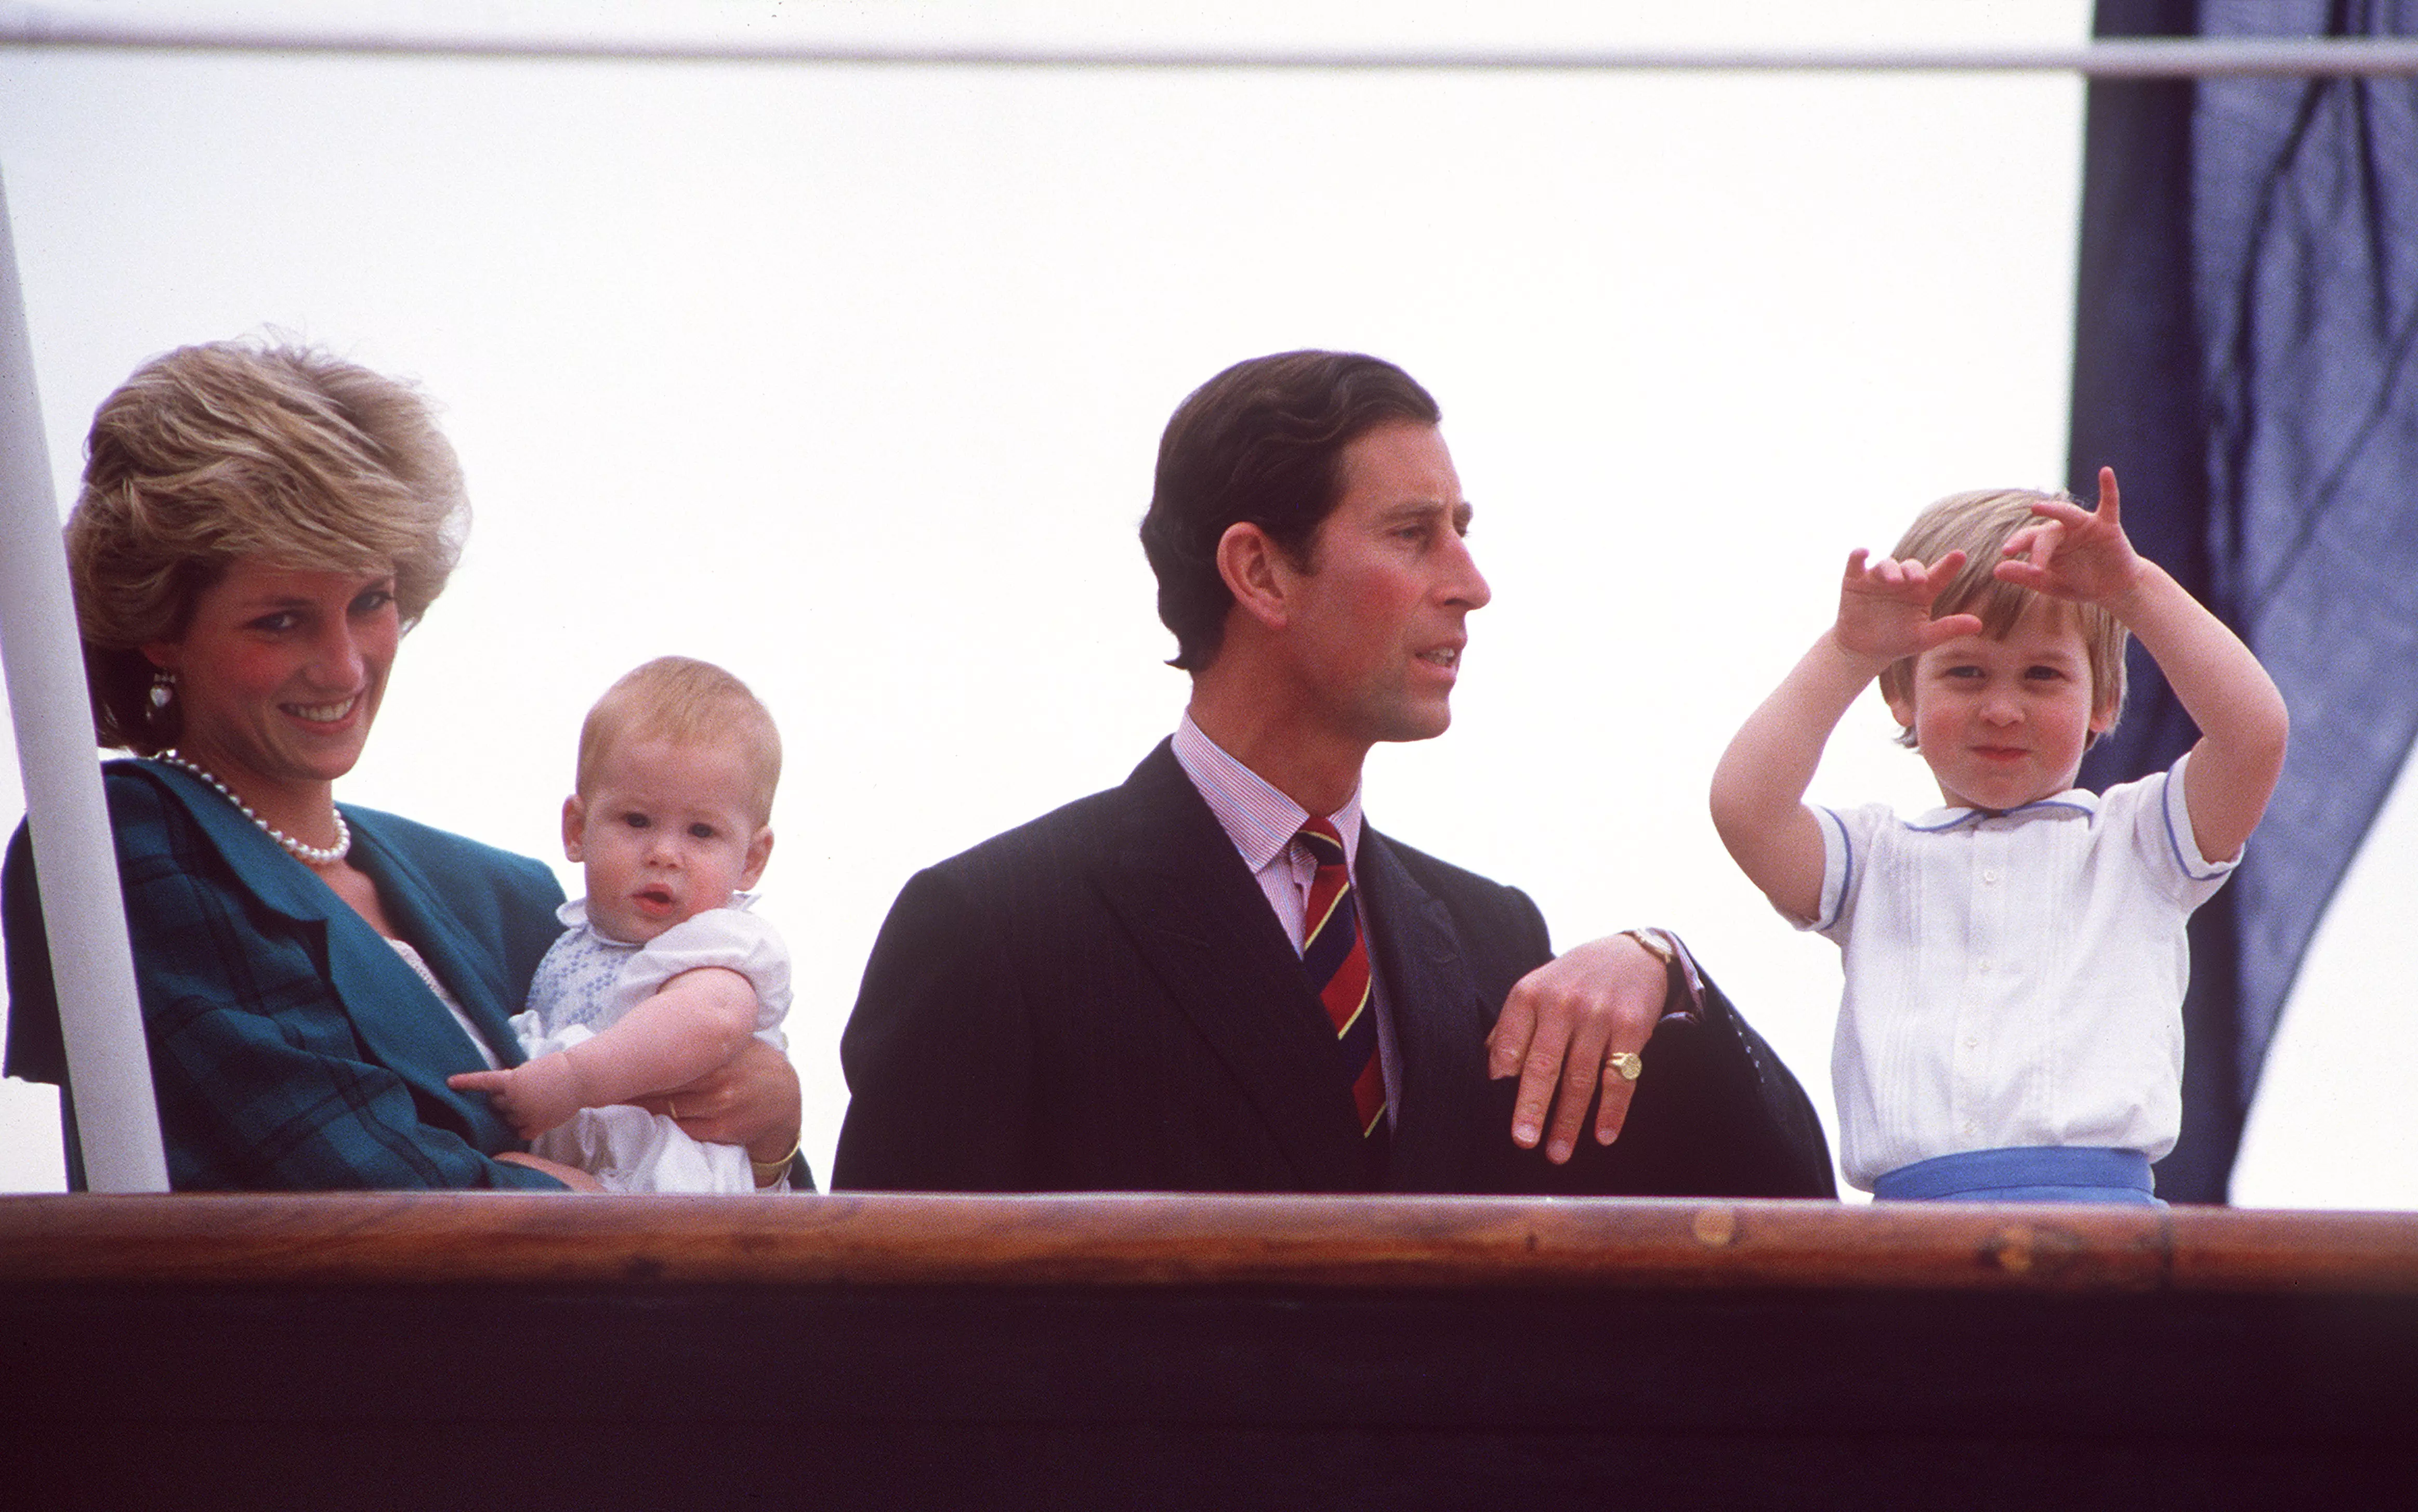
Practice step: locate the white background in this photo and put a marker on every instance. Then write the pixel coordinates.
(849, 378)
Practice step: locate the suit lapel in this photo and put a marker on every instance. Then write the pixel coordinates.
(1439, 1025)
(1192, 909)
(422, 1046)
(409, 893)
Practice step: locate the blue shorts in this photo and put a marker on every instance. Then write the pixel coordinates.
(2030, 1173)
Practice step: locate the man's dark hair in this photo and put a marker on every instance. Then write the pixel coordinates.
(1263, 441)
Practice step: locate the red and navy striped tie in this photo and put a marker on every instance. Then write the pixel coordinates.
(1336, 960)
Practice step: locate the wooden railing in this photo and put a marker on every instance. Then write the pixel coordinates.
(1122, 1240)
(874, 1349)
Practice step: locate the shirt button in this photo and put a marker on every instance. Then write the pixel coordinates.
(1981, 965)
(1990, 876)
(1972, 1042)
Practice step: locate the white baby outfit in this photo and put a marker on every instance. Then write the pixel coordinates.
(586, 983)
(2012, 979)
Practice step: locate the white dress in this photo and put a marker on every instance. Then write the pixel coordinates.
(588, 982)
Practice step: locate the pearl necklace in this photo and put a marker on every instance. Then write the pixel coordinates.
(307, 854)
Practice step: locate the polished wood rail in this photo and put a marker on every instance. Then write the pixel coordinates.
(889, 1351)
(1151, 1240)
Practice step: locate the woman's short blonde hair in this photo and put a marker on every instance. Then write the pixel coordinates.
(1978, 524)
(685, 701)
(237, 451)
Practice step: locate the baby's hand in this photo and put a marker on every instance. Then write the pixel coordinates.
(532, 1098)
(2074, 552)
(1885, 607)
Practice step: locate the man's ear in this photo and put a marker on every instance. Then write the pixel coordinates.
(760, 850)
(1255, 572)
(575, 824)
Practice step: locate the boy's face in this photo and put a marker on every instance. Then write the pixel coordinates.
(2003, 723)
(665, 831)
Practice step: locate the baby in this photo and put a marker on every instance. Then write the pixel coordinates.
(2011, 1024)
(661, 975)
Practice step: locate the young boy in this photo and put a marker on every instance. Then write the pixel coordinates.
(2015, 962)
(661, 975)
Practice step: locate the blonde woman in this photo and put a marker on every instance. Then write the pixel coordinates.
(257, 528)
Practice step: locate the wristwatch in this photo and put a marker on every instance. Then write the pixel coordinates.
(1656, 944)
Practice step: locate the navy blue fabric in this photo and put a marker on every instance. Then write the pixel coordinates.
(2246, 317)
(2029, 1173)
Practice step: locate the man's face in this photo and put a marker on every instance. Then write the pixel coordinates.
(1374, 628)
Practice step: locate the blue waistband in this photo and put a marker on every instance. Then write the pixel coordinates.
(2030, 1173)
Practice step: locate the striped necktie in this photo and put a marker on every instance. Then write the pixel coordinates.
(1336, 960)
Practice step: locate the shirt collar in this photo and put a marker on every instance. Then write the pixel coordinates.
(1260, 821)
(2072, 800)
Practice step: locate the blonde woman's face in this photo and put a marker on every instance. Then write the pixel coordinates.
(280, 675)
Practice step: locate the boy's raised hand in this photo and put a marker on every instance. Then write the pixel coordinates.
(2072, 553)
(1885, 606)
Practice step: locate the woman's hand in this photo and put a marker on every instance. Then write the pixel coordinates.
(751, 1099)
(570, 1176)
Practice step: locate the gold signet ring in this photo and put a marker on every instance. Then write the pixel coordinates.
(1626, 1063)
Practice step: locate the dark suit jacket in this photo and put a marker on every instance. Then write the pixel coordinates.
(1102, 1000)
(291, 1048)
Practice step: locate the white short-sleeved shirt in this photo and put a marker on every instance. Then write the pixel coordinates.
(2012, 979)
(588, 979)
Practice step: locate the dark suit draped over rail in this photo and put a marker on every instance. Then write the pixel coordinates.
(1102, 1000)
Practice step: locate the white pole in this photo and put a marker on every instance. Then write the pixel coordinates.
(108, 1065)
(2144, 57)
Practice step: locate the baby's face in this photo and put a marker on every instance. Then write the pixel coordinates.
(2003, 722)
(665, 831)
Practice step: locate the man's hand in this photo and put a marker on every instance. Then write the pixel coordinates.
(751, 1099)
(1559, 1025)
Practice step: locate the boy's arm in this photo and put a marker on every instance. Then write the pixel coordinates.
(2242, 722)
(1759, 787)
(699, 1020)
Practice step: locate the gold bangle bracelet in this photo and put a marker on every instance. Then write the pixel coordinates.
(769, 1172)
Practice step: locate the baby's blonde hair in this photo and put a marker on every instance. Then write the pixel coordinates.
(1978, 525)
(686, 702)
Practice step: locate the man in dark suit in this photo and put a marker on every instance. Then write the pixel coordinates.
(1216, 977)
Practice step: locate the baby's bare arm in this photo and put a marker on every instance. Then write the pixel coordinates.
(699, 1020)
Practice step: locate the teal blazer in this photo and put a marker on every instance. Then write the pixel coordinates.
(291, 1047)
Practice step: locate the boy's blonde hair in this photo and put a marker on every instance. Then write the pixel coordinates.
(687, 702)
(1978, 524)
